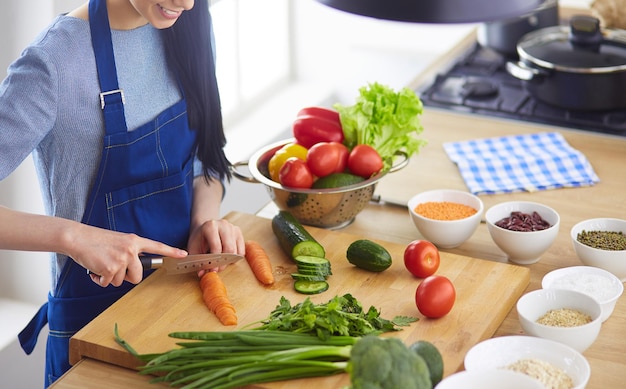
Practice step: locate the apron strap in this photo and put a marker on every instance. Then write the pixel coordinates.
(111, 97)
(28, 336)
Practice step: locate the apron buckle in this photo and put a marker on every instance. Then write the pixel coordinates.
(104, 94)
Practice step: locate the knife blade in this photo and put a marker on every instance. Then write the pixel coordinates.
(191, 263)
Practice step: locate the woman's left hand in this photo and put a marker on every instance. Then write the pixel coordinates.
(216, 236)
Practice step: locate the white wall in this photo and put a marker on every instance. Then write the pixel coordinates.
(18, 26)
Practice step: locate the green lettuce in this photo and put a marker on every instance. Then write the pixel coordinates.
(384, 119)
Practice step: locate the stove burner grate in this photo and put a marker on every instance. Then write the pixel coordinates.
(479, 83)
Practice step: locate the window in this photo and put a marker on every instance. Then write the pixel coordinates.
(252, 51)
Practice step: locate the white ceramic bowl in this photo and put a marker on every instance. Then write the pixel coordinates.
(496, 353)
(533, 305)
(613, 261)
(446, 233)
(598, 283)
(523, 248)
(489, 379)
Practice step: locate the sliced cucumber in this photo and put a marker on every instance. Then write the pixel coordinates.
(310, 287)
(307, 277)
(311, 260)
(314, 271)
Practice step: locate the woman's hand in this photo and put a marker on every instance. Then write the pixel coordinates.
(208, 232)
(216, 236)
(113, 257)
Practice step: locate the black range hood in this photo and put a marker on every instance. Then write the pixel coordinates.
(436, 11)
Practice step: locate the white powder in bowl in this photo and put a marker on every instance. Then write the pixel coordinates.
(595, 285)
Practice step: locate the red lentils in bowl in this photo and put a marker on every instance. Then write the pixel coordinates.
(446, 217)
(444, 210)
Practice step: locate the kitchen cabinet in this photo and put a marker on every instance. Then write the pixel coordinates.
(432, 169)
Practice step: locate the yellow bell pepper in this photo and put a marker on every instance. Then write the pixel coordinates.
(281, 155)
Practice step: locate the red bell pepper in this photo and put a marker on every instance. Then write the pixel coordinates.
(317, 124)
(326, 113)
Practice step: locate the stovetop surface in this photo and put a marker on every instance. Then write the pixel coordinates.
(479, 83)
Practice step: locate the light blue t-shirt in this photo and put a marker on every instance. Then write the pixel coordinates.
(50, 106)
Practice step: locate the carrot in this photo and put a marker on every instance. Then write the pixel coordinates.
(259, 262)
(216, 299)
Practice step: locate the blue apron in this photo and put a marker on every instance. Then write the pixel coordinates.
(143, 186)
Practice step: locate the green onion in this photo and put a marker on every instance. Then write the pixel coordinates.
(225, 360)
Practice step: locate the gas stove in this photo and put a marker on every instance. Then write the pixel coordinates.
(478, 83)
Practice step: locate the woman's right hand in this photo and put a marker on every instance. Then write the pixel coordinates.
(113, 257)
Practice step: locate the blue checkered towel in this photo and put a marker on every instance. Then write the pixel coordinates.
(520, 163)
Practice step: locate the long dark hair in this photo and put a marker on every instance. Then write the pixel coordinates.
(190, 53)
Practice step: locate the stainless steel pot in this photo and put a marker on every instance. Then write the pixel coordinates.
(580, 67)
(503, 35)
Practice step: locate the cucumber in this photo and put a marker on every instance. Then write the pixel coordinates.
(310, 287)
(293, 238)
(336, 180)
(368, 255)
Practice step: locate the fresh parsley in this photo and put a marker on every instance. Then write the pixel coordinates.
(342, 315)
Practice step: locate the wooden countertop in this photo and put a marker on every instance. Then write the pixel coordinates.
(432, 169)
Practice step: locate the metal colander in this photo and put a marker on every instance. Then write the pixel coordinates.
(327, 208)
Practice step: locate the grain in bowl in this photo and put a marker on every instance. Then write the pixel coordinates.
(549, 375)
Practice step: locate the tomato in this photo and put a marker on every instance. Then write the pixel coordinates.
(295, 174)
(364, 161)
(281, 155)
(325, 158)
(309, 130)
(435, 296)
(421, 258)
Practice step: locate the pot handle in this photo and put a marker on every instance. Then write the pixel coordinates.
(235, 172)
(523, 72)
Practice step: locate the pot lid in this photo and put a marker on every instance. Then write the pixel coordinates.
(581, 47)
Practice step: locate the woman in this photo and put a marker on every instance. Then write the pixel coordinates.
(118, 103)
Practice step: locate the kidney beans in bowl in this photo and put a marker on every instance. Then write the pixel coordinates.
(524, 230)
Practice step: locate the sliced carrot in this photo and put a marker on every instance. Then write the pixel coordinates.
(216, 299)
(259, 262)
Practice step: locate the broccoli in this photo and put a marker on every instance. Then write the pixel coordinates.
(386, 363)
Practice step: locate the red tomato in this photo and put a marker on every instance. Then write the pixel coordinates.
(435, 296)
(295, 174)
(364, 161)
(325, 158)
(421, 258)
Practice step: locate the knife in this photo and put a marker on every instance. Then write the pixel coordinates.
(191, 263)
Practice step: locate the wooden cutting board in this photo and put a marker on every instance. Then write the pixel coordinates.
(486, 292)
